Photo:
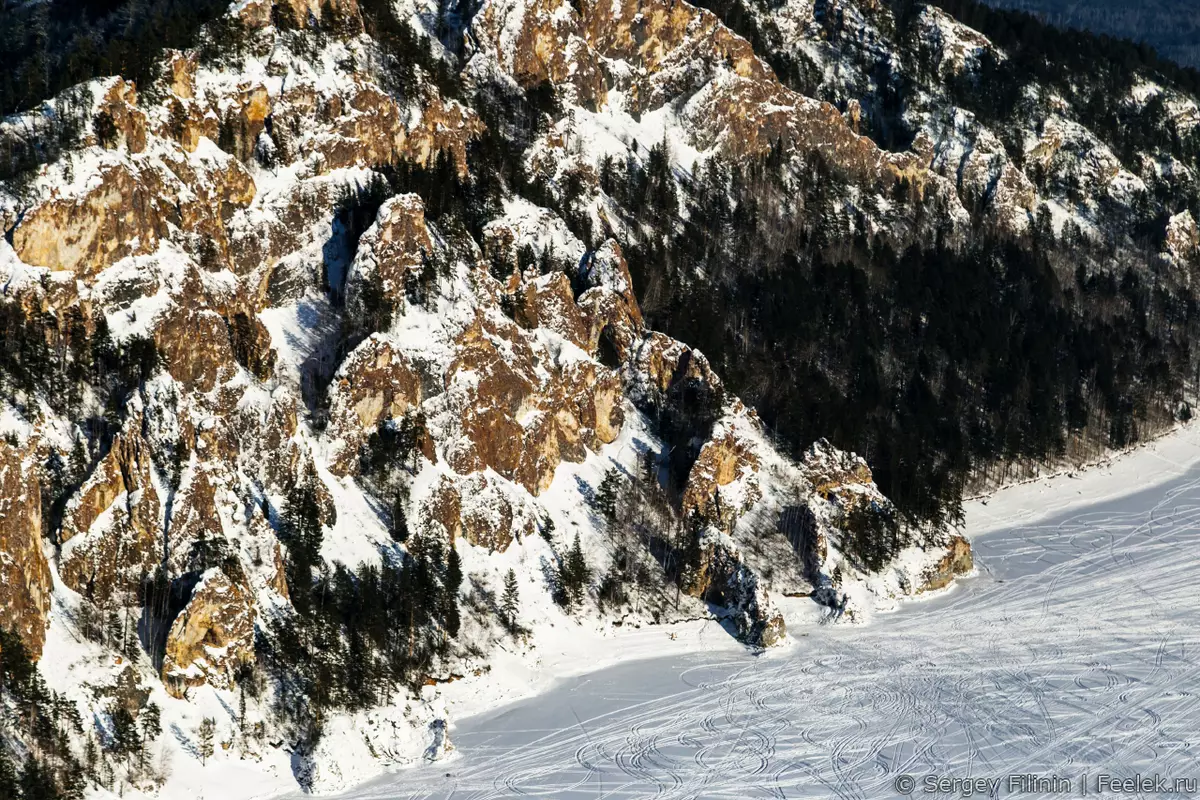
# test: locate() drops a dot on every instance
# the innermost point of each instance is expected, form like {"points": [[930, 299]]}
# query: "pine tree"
{"points": [[205, 734], [574, 574], [242, 705], [8, 775], [151, 720], [546, 529], [454, 579], [91, 754], [36, 782], [131, 646], [304, 537], [78, 463], [113, 632], [606, 495], [399, 520], [510, 601], [125, 733]]}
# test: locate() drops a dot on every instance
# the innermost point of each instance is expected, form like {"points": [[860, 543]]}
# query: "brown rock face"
{"points": [[545, 44], [443, 506], [119, 122], [194, 518], [194, 342], [183, 74], [832, 471], [401, 243], [245, 120], [610, 313], [445, 126], [130, 207], [187, 122], [958, 561], [24, 574], [284, 223], [549, 303], [212, 636], [723, 578], [723, 459], [111, 535], [515, 421], [473, 507], [375, 383], [1183, 238], [338, 15], [607, 268], [118, 217], [487, 519]]}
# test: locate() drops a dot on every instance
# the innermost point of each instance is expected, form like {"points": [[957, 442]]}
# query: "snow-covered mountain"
{"points": [[327, 377]]}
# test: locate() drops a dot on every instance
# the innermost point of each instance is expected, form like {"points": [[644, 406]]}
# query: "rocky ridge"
{"points": [[229, 220]]}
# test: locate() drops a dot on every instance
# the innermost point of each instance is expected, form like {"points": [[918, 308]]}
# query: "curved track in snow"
{"points": [[1076, 650]]}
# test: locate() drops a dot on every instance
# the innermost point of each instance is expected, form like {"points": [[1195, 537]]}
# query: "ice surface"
{"points": [[1073, 651]]}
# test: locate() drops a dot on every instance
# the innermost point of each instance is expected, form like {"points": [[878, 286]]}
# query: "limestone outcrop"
{"points": [[722, 577], [958, 560], [111, 533], [212, 636], [25, 585]]}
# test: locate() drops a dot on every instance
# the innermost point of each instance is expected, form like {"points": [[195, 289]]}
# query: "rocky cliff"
{"points": [[337, 312]]}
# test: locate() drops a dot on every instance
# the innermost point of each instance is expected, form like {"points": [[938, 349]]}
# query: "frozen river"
{"points": [[1074, 652]]}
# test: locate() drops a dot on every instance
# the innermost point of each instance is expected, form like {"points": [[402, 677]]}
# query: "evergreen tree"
{"points": [[79, 460], [125, 740], [574, 575], [606, 495], [131, 646], [150, 723], [8, 775], [510, 601], [36, 783], [454, 579], [204, 739], [399, 519], [304, 534], [546, 529], [114, 634], [91, 754]]}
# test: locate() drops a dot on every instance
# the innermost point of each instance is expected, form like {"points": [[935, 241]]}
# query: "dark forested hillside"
{"points": [[49, 45], [1172, 27], [936, 360], [931, 361]]}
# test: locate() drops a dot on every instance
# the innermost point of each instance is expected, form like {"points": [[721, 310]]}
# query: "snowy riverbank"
{"points": [[577, 654], [1122, 474], [1071, 655]]}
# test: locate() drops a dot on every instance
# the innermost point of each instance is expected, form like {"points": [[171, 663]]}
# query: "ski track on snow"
{"points": [[1074, 651]]}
